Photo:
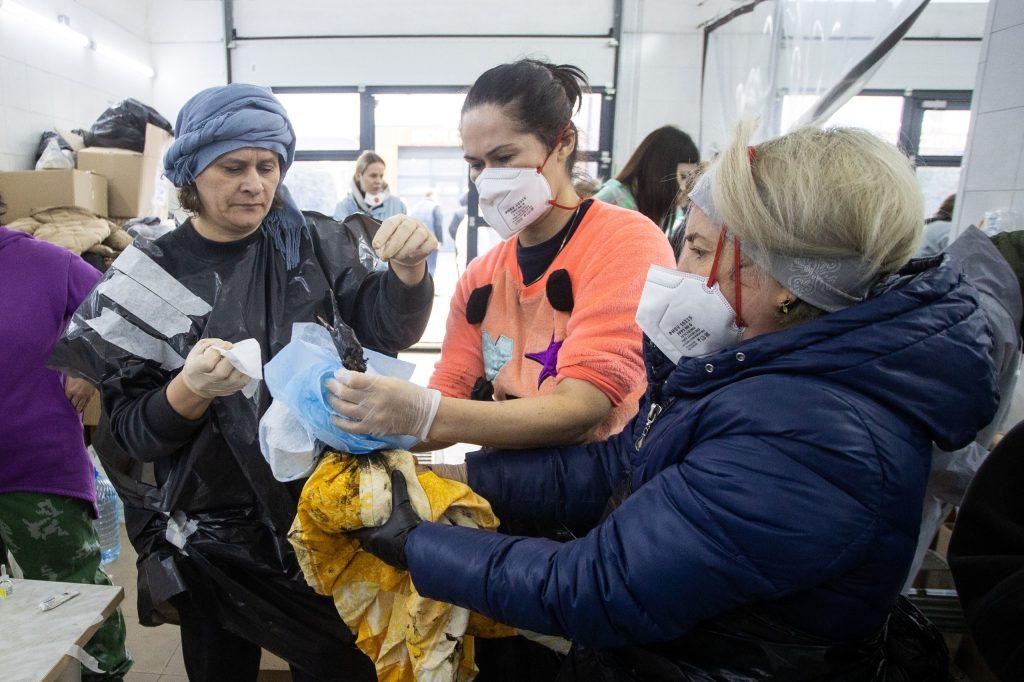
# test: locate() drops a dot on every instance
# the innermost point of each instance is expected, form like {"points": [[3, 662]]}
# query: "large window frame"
{"points": [[602, 156], [916, 103], [368, 124]]}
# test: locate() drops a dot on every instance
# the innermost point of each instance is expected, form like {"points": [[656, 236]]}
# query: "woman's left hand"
{"points": [[79, 392], [382, 406], [387, 541], [404, 242]]}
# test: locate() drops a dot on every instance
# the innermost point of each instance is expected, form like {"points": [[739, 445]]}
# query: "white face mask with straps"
{"points": [[512, 199], [687, 315]]}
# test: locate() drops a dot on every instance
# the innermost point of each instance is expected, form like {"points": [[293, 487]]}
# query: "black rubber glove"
{"points": [[387, 541]]}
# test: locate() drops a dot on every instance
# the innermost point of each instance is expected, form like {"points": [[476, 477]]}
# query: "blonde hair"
{"points": [[366, 159], [830, 193]]}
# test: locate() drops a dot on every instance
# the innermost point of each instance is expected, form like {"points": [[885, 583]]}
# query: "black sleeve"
{"points": [[142, 421], [385, 314]]}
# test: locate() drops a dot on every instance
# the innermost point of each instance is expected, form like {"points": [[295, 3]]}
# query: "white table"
{"points": [[34, 644]]}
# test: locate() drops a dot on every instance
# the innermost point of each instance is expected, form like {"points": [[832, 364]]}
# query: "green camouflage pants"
{"points": [[51, 538]]}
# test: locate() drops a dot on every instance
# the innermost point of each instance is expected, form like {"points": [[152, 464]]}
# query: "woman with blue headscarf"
{"points": [[208, 519]]}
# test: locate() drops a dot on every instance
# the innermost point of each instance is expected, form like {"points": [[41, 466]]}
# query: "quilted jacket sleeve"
{"points": [[746, 517], [569, 484]]}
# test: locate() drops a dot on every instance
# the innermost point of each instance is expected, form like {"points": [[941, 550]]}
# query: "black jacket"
{"points": [[210, 471]]}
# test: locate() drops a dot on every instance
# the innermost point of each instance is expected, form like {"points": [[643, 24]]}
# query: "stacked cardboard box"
{"points": [[113, 183], [136, 187]]}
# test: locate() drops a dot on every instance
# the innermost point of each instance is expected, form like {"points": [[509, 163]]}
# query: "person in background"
{"points": [[429, 212], [542, 345], [458, 216], [758, 517], [937, 229], [369, 193], [651, 179], [47, 487]]}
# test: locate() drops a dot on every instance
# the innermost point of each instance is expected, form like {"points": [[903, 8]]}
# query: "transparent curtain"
{"points": [[814, 54]]}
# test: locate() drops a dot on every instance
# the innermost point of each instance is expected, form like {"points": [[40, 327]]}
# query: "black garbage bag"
{"points": [[747, 645], [44, 140], [204, 513], [124, 126]]}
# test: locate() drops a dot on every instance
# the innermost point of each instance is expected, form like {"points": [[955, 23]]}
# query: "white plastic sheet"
{"points": [[247, 358], [767, 49]]}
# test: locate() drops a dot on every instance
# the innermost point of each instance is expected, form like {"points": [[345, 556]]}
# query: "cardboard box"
{"points": [[25, 192], [91, 413], [136, 187]]}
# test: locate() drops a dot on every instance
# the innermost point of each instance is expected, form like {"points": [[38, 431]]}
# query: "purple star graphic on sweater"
{"points": [[548, 360]]}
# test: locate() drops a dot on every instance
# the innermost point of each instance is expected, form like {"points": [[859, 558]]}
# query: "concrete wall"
{"points": [[994, 161], [48, 83]]}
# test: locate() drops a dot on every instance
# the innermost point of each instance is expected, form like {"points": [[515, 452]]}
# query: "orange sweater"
{"points": [[519, 341]]}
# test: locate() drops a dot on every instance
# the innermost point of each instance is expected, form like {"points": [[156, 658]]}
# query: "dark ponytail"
{"points": [[540, 97]]}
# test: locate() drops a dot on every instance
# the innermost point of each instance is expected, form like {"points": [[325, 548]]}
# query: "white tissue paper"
{"points": [[247, 358], [286, 444]]}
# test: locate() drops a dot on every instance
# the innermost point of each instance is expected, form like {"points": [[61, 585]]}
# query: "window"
{"points": [[588, 122], [935, 136], [328, 137], [416, 131], [438, 169], [319, 185], [323, 120], [944, 132], [881, 114], [936, 184], [930, 126]]}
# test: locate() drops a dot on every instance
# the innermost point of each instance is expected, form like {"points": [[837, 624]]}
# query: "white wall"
{"points": [[994, 161], [187, 42], [188, 38], [48, 83], [659, 71]]}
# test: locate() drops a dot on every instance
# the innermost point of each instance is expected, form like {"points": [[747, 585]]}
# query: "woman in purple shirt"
{"points": [[47, 490]]}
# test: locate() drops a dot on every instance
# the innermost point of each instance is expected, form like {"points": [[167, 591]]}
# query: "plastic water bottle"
{"points": [[108, 525]]}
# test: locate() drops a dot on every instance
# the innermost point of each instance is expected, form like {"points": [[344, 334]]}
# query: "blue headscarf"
{"points": [[229, 117]]}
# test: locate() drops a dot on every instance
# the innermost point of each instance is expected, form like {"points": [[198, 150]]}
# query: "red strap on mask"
{"points": [[540, 168], [736, 276]]}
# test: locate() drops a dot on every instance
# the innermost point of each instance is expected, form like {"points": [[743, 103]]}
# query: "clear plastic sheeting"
{"points": [[297, 377], [818, 52]]}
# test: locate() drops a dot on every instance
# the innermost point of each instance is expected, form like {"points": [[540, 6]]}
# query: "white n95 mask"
{"points": [[686, 315], [512, 199]]}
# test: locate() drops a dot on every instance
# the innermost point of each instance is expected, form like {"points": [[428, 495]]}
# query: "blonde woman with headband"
{"points": [[758, 517]]}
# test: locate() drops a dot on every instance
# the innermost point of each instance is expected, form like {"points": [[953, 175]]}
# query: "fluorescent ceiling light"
{"points": [[51, 26], [125, 60]]}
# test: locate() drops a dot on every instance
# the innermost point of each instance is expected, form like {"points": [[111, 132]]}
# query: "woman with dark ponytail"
{"points": [[547, 316]]}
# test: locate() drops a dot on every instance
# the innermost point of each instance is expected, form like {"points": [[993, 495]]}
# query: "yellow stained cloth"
{"points": [[407, 636]]}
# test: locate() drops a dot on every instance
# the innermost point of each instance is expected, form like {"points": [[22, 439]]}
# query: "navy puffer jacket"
{"points": [[785, 473]]}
